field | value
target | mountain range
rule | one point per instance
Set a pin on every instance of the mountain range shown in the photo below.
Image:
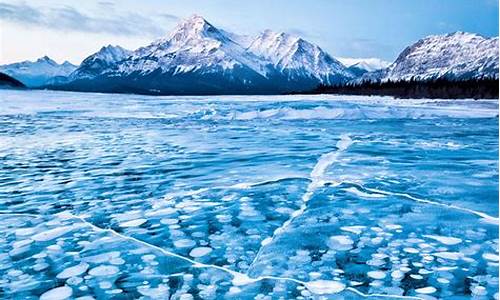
(199, 58)
(39, 72)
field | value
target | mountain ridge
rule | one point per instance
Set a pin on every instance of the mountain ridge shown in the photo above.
(198, 58)
(212, 62)
(454, 56)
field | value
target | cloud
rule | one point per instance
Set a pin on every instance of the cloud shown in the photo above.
(169, 17)
(301, 33)
(68, 18)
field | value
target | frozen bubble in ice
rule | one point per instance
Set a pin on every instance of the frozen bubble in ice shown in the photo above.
(426, 290)
(161, 212)
(417, 277)
(58, 293)
(340, 242)
(167, 221)
(51, 234)
(410, 250)
(490, 256)
(375, 262)
(186, 297)
(414, 241)
(321, 287)
(234, 290)
(148, 257)
(105, 285)
(427, 258)
(40, 266)
(393, 226)
(200, 251)
(443, 280)
(103, 257)
(117, 261)
(73, 271)
(379, 255)
(447, 240)
(397, 275)
(198, 234)
(425, 246)
(448, 255)
(133, 223)
(54, 248)
(314, 275)
(184, 243)
(353, 229)
(74, 281)
(14, 273)
(446, 268)
(21, 243)
(105, 270)
(376, 274)
(479, 290)
(24, 231)
(376, 283)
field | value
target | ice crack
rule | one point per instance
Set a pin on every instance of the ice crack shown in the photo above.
(489, 219)
(317, 180)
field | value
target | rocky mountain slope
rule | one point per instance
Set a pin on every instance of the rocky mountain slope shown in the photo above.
(454, 56)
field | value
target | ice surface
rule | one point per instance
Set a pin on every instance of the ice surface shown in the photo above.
(317, 196)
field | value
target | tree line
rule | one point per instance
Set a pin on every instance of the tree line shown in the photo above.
(483, 88)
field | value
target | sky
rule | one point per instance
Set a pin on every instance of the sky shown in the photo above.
(71, 30)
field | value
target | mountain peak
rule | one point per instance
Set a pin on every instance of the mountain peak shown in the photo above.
(296, 56)
(110, 53)
(46, 59)
(194, 27)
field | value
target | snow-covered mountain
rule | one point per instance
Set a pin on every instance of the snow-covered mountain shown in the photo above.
(37, 73)
(457, 55)
(366, 64)
(99, 62)
(198, 58)
(194, 45)
(297, 58)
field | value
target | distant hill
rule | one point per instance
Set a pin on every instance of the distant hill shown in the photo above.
(7, 81)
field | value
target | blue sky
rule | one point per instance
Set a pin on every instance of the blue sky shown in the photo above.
(71, 30)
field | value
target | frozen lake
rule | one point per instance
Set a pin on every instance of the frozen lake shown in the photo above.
(292, 197)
